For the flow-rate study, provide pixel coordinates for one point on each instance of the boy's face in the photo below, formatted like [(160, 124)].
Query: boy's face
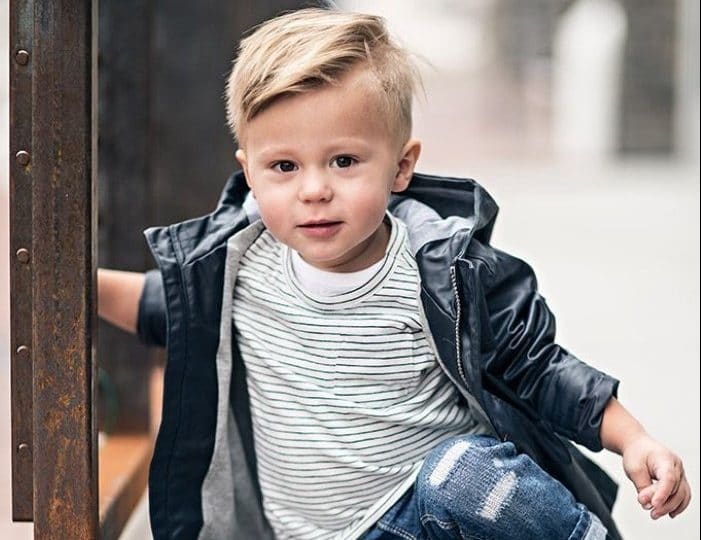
[(321, 166)]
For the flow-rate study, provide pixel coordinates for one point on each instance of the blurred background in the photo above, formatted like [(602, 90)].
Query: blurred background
[(581, 118)]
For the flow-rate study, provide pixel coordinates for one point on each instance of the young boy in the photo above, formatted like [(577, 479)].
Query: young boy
[(347, 355)]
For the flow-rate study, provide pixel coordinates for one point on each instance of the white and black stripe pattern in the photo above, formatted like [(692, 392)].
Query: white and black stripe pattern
[(346, 395)]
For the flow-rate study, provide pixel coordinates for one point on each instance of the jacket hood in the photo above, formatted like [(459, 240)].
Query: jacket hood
[(452, 197)]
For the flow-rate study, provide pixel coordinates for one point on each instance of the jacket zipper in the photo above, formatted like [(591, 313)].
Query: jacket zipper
[(458, 316), (429, 335), (481, 415)]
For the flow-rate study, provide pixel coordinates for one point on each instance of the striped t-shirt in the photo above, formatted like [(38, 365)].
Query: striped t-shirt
[(346, 395)]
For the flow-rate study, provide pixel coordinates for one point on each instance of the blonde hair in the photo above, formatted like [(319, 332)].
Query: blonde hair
[(305, 49)]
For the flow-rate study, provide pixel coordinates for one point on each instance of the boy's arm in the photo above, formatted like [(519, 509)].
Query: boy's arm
[(522, 364), (645, 460), (134, 302), (118, 295), (528, 368)]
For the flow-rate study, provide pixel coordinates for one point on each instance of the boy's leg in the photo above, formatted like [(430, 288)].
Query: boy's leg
[(476, 487)]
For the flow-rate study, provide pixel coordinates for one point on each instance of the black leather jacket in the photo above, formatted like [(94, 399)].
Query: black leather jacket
[(493, 333)]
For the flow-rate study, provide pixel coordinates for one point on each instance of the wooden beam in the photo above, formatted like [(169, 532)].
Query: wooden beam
[(127, 201)]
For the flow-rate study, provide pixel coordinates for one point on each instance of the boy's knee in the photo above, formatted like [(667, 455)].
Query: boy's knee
[(467, 463), (477, 483), (467, 482)]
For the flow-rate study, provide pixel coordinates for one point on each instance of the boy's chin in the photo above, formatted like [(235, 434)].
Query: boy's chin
[(324, 263)]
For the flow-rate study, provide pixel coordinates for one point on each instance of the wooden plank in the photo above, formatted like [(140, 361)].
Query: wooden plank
[(124, 462), (21, 63), (64, 255)]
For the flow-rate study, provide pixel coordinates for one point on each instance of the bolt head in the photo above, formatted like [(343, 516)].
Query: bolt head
[(22, 57), (22, 157), (23, 255)]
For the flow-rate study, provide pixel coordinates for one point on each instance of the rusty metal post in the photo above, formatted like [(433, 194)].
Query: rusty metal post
[(63, 258), (21, 347)]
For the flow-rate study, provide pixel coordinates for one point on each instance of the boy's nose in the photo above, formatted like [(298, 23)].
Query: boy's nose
[(315, 187)]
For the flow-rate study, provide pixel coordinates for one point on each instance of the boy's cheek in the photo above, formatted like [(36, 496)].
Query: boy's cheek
[(370, 198), (274, 213)]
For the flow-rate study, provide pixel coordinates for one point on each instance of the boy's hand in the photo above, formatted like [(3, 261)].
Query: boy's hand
[(658, 475)]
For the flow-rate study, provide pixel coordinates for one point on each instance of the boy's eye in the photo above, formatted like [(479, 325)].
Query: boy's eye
[(343, 161), (284, 166)]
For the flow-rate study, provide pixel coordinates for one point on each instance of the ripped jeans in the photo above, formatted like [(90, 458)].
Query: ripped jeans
[(478, 488)]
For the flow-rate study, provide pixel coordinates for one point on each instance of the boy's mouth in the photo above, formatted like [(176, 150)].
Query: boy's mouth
[(320, 228)]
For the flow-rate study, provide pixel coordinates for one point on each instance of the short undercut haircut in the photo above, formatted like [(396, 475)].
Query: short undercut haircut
[(305, 49)]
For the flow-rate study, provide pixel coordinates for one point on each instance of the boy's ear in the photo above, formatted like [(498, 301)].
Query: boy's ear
[(241, 157), (407, 162)]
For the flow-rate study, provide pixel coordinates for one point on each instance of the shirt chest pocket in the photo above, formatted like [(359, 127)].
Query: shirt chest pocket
[(380, 373)]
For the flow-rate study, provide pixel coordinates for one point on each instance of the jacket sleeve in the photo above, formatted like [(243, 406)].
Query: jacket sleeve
[(526, 366), (151, 321)]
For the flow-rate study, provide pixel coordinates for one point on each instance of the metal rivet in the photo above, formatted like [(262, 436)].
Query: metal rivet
[(22, 57), (23, 255), (22, 350), (22, 157)]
